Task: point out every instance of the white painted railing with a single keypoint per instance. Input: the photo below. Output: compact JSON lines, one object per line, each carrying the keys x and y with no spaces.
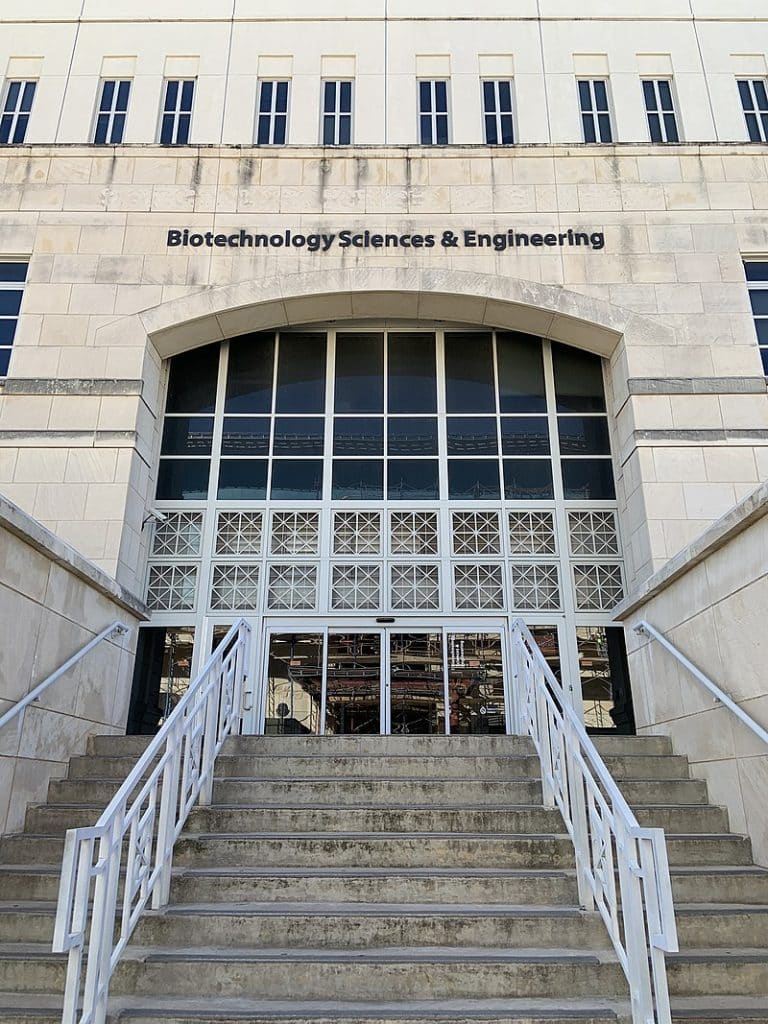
{"x":720,"y":695}
{"x":116,"y":629}
{"x":136,"y":833}
{"x":621,"y":868}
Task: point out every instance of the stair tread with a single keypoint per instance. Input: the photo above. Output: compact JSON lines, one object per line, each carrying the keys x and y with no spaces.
{"x":384,"y":954}
{"x":336,"y":909}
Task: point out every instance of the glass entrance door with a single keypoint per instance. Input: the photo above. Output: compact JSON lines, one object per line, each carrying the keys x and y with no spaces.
{"x":368,"y":681}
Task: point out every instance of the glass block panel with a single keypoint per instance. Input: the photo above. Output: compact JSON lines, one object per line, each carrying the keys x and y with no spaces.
{"x":532,"y":533}
{"x":239,"y":533}
{"x":179,"y":535}
{"x":413,"y":533}
{"x":235,"y":587}
{"x":357,"y":533}
{"x":356,"y":586}
{"x":172,"y":588}
{"x":295,"y":533}
{"x":476,"y":533}
{"x":415,"y":586}
{"x":292,"y":587}
{"x":598,"y":587}
{"x":535,"y":586}
{"x":593,"y":533}
{"x":478,"y":587}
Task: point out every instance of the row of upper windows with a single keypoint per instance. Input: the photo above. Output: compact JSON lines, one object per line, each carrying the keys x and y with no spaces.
{"x":336,"y":117}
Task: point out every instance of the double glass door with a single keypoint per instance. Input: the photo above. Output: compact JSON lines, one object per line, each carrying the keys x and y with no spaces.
{"x":363,"y":681}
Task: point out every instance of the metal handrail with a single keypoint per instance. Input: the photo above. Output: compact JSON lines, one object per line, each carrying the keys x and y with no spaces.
{"x":138,"y":829}
{"x":720,"y":695}
{"x":118,"y":628}
{"x":608,"y":841}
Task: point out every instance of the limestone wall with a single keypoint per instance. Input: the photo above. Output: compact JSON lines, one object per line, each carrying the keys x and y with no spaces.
{"x":52,"y":602}
{"x":710,"y":602}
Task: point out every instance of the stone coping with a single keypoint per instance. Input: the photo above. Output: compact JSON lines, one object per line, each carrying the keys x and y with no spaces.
{"x":17,"y":522}
{"x":748,"y":511}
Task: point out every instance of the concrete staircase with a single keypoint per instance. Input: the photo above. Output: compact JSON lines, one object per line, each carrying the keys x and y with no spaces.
{"x":382,"y":879}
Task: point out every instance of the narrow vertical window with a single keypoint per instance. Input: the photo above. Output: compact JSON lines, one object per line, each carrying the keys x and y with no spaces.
{"x":12,"y":278}
{"x":497,"y":113}
{"x":757,"y":282}
{"x":660,"y":109}
{"x":110,"y":117}
{"x":754,"y":103}
{"x":17,"y":105}
{"x":337,"y":113}
{"x":272,"y":120}
{"x":595,"y":112}
{"x":177,"y":112}
{"x":433,"y":113}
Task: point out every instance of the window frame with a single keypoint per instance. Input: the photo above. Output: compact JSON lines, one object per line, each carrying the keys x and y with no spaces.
{"x":594,"y":113}
{"x":498,"y":114}
{"x":337,"y":113}
{"x":12,"y":286}
{"x":760,"y":114}
{"x":434,"y":114}
{"x":762,"y":287}
{"x":17,"y":112}
{"x":177,"y":112}
{"x":660,"y":112}
{"x":112,"y":112}
{"x":273,"y":113}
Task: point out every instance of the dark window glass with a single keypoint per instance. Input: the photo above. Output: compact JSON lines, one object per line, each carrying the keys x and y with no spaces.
{"x":585,"y":96}
{"x":471,"y":479}
{"x":10,"y":302}
{"x":5,"y":360}
{"x":265,"y":97}
{"x":18,"y":271}
{"x":759,"y":300}
{"x":297,"y":480}
{"x":757,"y":271}
{"x":525,"y":435}
{"x":469,"y":373}
{"x":425,"y":97}
{"x":243,"y":480}
{"x":249,"y":378}
{"x":186,"y":435}
{"x":358,"y":479}
{"x":528,"y":480}
{"x":588,"y":479}
{"x":187,"y":91}
{"x":7,"y":331}
{"x":413,"y":479}
{"x":762,"y":331}
{"x":183,"y":479}
{"x":412,"y":435}
{"x":359,"y":373}
{"x":472,"y":435}
{"x":521,"y":373}
{"x":192,"y":381}
{"x":243,"y":435}
{"x":583,"y":435}
{"x":578,"y":380}
{"x":171,"y":95}
{"x":358,"y":436}
{"x":299,"y":435}
{"x":412,"y":384}
{"x":764,"y":358}
{"x":650,"y":96}
{"x":301,"y":373}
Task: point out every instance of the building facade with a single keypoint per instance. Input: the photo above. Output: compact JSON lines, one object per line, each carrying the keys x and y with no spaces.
{"x":383,"y":330}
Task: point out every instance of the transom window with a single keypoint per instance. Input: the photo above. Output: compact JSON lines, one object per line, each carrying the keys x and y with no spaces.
{"x":337,"y":113}
{"x":595,"y":111}
{"x":272,"y":119}
{"x":17,"y":106}
{"x":113,"y":108}
{"x":757,"y":280}
{"x":660,"y":110}
{"x":497,"y":113}
{"x":12,"y":278}
{"x":754,"y":103}
{"x":176,"y":119}
{"x":433,"y":113}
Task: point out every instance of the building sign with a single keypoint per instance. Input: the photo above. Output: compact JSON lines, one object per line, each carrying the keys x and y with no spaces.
{"x":446,"y":241}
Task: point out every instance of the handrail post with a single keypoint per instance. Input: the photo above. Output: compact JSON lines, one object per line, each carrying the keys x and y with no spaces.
{"x":166,"y":830}
{"x":209,"y":737}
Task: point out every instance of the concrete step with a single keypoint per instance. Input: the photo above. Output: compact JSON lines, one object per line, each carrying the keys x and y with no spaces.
{"x":718,"y":972}
{"x":382,"y":746}
{"x":409,"y":973}
{"x":31,"y":967}
{"x":22,"y":921}
{"x":683,"y":817}
{"x":712,"y":924}
{"x":376,"y":885}
{"x":362,"y":926}
{"x":726,"y":884}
